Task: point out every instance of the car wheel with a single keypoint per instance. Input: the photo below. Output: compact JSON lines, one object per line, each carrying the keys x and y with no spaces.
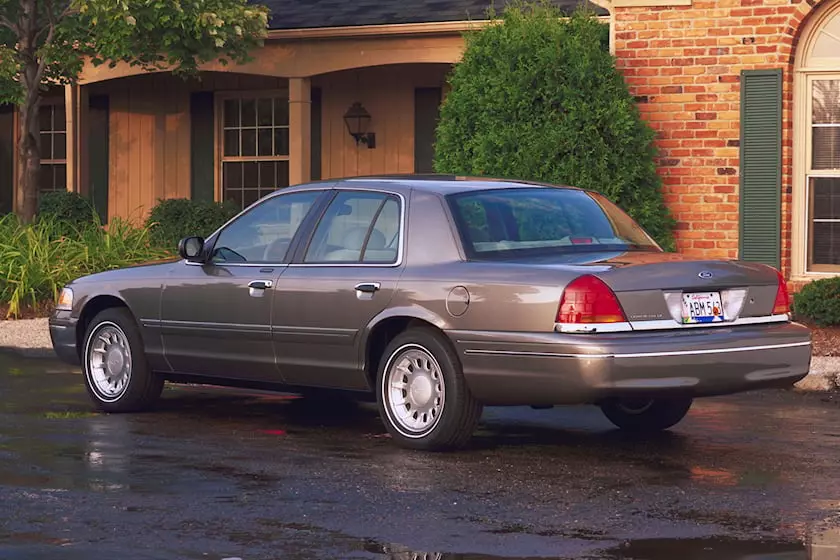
{"x":117,"y":375}
{"x":646,"y":415}
{"x":422,"y":395}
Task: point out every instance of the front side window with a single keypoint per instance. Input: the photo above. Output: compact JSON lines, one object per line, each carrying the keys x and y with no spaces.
{"x":53,"y":137}
{"x":824,"y":177}
{"x":264,"y":234}
{"x":358,"y":227}
{"x":255,"y":147}
{"x":497,"y":223}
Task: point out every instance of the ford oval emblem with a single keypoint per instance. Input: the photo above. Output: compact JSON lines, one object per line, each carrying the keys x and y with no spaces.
{"x":705,"y":274}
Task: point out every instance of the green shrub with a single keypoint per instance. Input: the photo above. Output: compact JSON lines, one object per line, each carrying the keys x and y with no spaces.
{"x":819,"y":302}
{"x":36,"y":260}
{"x":69,"y":211}
{"x":537,"y":97}
{"x":172,"y":220}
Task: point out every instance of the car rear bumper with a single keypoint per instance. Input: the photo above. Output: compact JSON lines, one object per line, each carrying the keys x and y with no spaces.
{"x":63,"y":336}
{"x":543,"y":369}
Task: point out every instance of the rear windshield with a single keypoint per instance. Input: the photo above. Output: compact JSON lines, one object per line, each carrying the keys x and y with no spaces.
{"x":510,"y":222}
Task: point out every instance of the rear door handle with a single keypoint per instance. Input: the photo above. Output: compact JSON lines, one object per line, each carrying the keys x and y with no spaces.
{"x":260,"y":284}
{"x":368,"y":287}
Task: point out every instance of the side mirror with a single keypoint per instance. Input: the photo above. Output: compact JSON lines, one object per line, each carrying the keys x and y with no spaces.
{"x":191,"y":248}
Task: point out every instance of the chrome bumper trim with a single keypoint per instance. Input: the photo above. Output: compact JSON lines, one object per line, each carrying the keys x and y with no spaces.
{"x":635,"y":355}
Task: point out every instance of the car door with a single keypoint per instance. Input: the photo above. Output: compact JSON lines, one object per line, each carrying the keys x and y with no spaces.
{"x":216,"y":315}
{"x":340,"y":280}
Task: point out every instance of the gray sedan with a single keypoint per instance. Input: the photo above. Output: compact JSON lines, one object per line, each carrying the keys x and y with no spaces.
{"x":436,"y":296}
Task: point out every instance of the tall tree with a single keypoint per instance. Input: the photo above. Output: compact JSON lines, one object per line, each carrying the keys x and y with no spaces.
{"x":46,"y":42}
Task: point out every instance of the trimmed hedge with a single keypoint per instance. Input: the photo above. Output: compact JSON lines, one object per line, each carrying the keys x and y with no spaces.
{"x":173,"y":219}
{"x":537,"y":97}
{"x":819,"y":302}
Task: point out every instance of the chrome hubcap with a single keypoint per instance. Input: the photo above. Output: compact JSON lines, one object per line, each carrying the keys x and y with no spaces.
{"x":109,"y":361}
{"x":415,"y":390}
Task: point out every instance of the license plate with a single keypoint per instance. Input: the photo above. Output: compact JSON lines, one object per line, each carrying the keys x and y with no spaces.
{"x":702,"y":307}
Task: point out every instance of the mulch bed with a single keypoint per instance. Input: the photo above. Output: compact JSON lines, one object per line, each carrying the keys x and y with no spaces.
{"x":825,"y":340}
{"x":28,"y":311}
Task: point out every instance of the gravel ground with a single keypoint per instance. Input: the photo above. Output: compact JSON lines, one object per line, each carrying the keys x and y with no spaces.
{"x":31,"y":337}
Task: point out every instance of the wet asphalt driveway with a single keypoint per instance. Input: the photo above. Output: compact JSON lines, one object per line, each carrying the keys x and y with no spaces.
{"x":235,"y":474}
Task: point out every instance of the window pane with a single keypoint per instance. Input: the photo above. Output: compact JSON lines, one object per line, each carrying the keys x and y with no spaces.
{"x":267,"y":172}
{"x":265,"y":232}
{"x":232,"y":176}
{"x":249,"y":112}
{"x":282,"y":174}
{"x":45,"y":177}
{"x":264,"y":112}
{"x":826,"y":147}
{"x":45,"y":118}
{"x":281,"y":111}
{"x":59,"y":122}
{"x":281,"y":141}
{"x":249,"y":142}
{"x":825,"y":235}
{"x":264,"y":147}
{"x":60,"y":145}
{"x":251,"y":175}
{"x":826,"y":46}
{"x":384,"y":239}
{"x":60,"y":177}
{"x":231,"y":110}
{"x":826,"y":101}
{"x":46,"y":146}
{"x":232,"y":143}
{"x":341,"y":233}
{"x":250,"y":196}
{"x":234,"y":196}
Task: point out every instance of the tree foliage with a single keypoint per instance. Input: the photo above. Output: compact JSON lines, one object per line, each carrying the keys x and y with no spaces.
{"x":47,"y":42}
{"x":538,"y":97}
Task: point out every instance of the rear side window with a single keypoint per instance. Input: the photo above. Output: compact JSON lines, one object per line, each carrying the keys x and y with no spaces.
{"x":543,"y":220}
{"x":357,"y":227}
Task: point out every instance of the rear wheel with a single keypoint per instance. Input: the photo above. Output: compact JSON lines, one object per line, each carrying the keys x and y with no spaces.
{"x":117,"y":375}
{"x":422,"y":395}
{"x":646,"y":415}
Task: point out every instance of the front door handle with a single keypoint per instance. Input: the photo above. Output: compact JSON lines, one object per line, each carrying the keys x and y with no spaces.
{"x":368,"y":287}
{"x":257,"y":288}
{"x":260,"y":284}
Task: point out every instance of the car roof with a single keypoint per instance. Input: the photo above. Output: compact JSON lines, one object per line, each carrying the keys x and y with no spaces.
{"x":442,"y":183}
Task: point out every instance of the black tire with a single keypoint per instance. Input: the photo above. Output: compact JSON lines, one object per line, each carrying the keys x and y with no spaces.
{"x":459,"y":411}
{"x":142,"y":388}
{"x":646,"y":415}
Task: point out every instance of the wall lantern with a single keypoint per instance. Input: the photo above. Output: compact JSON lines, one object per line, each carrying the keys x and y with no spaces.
{"x":357,"y":120}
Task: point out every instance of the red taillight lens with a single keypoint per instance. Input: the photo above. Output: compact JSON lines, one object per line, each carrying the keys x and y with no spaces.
{"x":588,"y":300}
{"x":782,"y":304}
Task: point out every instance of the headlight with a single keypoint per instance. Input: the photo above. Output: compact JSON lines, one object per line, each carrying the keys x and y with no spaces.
{"x":65,"y":300}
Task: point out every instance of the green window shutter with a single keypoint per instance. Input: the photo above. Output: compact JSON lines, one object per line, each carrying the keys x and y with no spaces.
{"x":426,"y":114}
{"x":7,"y":158}
{"x":202,"y":158}
{"x":99,"y":137}
{"x":761,"y":166}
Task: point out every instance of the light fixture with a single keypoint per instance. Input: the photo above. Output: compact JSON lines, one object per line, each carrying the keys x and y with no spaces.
{"x":357,"y":120}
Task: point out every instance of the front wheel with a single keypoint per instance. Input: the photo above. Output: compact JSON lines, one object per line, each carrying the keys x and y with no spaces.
{"x":422,"y":395}
{"x":646,"y":415}
{"x":117,"y":375}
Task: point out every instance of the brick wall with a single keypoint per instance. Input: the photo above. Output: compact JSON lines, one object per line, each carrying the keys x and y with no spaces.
{"x":683,"y":64}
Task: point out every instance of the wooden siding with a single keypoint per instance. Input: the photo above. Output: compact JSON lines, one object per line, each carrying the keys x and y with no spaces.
{"x":150,"y":136}
{"x":388,"y":95}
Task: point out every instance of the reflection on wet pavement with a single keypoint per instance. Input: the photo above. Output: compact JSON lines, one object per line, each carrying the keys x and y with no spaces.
{"x":216,"y":474}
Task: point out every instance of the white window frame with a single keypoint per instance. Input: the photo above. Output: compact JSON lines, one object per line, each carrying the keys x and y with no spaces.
{"x":53,"y":161}
{"x":220,"y":158}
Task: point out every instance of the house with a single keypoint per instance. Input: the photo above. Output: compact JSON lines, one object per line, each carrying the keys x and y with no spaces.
{"x":744,"y":96}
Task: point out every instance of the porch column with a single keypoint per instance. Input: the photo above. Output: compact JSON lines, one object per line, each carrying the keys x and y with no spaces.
{"x":75,"y":110}
{"x":300,"y":130}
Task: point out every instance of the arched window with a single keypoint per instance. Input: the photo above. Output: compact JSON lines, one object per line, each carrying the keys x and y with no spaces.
{"x":816,"y":233}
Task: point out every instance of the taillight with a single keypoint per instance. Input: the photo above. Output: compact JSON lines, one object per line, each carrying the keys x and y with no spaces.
{"x":782,"y":304}
{"x":588,"y":300}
